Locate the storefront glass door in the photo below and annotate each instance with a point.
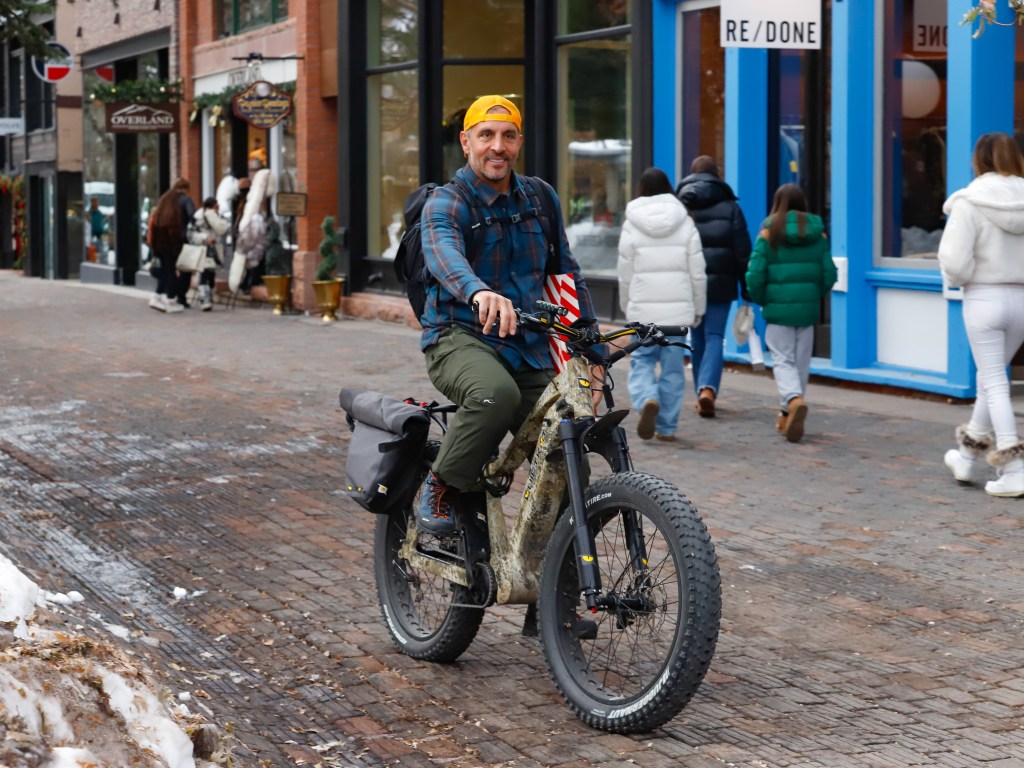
(703, 85)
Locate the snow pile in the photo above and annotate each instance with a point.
(67, 701)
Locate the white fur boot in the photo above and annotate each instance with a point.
(960, 460)
(1009, 463)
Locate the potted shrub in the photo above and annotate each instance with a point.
(326, 284)
(278, 265)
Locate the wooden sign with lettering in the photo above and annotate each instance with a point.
(262, 104)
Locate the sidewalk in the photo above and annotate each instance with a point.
(872, 607)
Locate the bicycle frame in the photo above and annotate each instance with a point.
(558, 428)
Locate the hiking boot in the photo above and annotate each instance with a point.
(437, 510)
(706, 403)
(645, 427)
(795, 421)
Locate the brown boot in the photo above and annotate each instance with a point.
(706, 403)
(795, 422)
(645, 426)
(780, 422)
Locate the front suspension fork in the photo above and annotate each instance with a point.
(572, 435)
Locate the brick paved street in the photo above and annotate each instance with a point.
(873, 612)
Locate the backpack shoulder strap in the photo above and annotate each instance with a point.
(476, 229)
(544, 204)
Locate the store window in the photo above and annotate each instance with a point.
(393, 168)
(800, 120)
(703, 85)
(98, 188)
(914, 127)
(595, 132)
(239, 15)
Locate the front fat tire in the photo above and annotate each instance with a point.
(418, 608)
(635, 675)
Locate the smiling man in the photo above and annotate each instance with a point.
(484, 241)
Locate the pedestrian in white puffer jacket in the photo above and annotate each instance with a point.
(661, 281)
(982, 249)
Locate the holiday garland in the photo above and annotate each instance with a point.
(138, 92)
(223, 98)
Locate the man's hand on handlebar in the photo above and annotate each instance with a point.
(495, 310)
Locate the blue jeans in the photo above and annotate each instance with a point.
(708, 340)
(664, 387)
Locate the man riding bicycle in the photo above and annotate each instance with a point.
(475, 354)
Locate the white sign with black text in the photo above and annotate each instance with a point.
(931, 26)
(11, 125)
(775, 24)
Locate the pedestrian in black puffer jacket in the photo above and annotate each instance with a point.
(725, 239)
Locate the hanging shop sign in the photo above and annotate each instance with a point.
(54, 70)
(262, 104)
(778, 24)
(142, 118)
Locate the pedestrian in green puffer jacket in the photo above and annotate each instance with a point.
(790, 272)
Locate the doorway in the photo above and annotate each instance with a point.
(703, 84)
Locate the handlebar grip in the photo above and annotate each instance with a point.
(545, 306)
(674, 330)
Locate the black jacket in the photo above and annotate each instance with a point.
(723, 234)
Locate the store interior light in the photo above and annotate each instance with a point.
(262, 89)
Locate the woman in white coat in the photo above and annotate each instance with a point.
(661, 281)
(982, 249)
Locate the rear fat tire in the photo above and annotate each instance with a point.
(636, 677)
(419, 609)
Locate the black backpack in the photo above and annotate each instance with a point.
(410, 267)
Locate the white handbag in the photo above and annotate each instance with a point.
(742, 323)
(191, 258)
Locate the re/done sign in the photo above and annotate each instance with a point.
(775, 24)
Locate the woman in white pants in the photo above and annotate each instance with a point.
(982, 249)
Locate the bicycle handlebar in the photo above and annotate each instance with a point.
(583, 335)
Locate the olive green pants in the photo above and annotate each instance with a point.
(493, 399)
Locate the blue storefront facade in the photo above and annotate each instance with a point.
(878, 126)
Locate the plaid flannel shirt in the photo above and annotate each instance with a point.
(511, 261)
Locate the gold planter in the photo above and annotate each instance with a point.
(277, 291)
(328, 297)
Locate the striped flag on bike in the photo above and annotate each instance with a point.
(561, 290)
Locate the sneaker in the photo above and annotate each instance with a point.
(158, 301)
(205, 298)
(645, 427)
(172, 307)
(958, 465)
(437, 510)
(706, 403)
(795, 422)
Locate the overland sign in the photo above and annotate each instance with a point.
(142, 118)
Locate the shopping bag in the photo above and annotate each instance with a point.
(561, 290)
(191, 258)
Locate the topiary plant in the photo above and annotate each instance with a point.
(277, 259)
(328, 251)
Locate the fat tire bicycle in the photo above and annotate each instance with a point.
(620, 576)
